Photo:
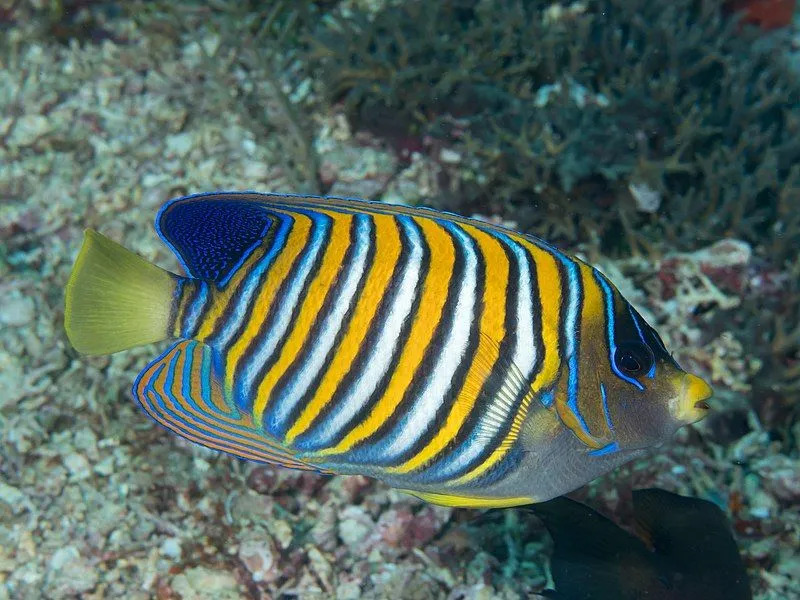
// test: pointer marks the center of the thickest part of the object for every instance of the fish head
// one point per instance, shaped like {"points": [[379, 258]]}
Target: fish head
{"points": [[648, 395]]}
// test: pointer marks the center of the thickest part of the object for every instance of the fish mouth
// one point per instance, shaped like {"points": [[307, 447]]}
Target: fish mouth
{"points": [[691, 405]]}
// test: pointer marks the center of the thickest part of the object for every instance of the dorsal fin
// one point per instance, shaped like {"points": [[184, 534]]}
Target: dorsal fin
{"points": [[181, 390], [212, 234]]}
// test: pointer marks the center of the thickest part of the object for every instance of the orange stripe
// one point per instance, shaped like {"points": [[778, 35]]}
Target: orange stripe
{"points": [[296, 242], [492, 328], [387, 253], [434, 295], [338, 243]]}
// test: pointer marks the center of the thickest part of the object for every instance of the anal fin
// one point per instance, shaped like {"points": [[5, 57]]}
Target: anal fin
{"points": [[181, 391]]}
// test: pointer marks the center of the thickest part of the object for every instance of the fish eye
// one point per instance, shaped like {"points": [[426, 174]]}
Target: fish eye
{"points": [[633, 358]]}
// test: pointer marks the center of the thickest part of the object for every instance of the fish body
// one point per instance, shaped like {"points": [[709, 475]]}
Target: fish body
{"points": [[684, 550], [463, 362]]}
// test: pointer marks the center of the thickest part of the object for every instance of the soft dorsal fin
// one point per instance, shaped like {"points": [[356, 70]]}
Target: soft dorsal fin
{"points": [[212, 234]]}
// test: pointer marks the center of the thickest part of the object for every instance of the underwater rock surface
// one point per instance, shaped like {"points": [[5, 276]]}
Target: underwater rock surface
{"points": [[105, 112]]}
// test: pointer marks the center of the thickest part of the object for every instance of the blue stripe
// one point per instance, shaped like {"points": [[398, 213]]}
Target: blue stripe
{"points": [[652, 372], [195, 309], [268, 344], [571, 326], [607, 449], [610, 321], [605, 407], [252, 282], [280, 408], [323, 434], [377, 453]]}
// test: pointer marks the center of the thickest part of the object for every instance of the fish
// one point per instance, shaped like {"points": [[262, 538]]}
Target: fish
{"points": [[683, 550], [459, 361]]}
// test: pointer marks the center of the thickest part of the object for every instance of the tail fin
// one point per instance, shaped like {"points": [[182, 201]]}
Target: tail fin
{"points": [[116, 300]]}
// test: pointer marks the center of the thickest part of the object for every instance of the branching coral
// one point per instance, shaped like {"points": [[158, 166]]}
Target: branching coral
{"points": [[561, 108]]}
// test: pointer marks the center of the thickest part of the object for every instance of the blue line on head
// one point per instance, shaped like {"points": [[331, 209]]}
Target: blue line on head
{"points": [[610, 321], [605, 407]]}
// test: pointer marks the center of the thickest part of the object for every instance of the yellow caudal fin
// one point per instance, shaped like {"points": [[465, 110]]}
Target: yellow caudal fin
{"points": [[115, 299]]}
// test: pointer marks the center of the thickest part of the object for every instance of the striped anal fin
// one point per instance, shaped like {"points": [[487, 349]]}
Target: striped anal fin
{"points": [[181, 390]]}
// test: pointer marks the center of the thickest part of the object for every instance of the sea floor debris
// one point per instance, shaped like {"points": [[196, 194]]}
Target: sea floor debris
{"points": [[98, 502]]}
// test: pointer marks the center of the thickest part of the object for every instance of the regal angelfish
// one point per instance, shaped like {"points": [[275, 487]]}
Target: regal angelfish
{"points": [[462, 362]]}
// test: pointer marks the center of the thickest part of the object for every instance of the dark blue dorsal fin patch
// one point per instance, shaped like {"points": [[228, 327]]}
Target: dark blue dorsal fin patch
{"points": [[213, 234]]}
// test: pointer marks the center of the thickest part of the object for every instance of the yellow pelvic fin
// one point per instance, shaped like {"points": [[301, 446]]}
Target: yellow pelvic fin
{"points": [[115, 299], [469, 501]]}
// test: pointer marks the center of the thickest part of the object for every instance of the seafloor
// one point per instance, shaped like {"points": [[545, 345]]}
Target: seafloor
{"points": [[98, 502]]}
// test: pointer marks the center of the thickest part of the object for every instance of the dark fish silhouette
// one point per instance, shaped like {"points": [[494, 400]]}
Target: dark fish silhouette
{"points": [[685, 551]]}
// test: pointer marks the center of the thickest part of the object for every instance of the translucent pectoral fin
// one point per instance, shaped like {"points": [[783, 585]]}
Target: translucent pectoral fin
{"points": [[181, 390]]}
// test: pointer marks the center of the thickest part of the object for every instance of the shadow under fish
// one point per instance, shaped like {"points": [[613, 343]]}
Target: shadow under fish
{"points": [[683, 550]]}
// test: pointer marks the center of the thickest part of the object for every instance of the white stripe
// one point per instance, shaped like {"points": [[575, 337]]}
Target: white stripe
{"points": [[524, 359], [268, 342], [322, 345], [419, 416], [381, 354], [526, 352], [251, 284], [196, 309]]}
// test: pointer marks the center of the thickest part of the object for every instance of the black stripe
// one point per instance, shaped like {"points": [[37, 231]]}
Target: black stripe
{"points": [[294, 414], [459, 377], [373, 333], [433, 351], [265, 325], [222, 320]]}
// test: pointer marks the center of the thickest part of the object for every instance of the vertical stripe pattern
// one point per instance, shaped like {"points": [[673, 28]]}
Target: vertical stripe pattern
{"points": [[393, 341]]}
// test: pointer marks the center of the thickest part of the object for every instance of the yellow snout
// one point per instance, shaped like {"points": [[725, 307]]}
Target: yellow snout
{"points": [[691, 404]]}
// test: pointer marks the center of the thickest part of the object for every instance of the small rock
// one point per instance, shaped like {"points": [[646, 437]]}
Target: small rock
{"points": [[762, 505], [62, 556], [647, 199], [355, 525], [179, 144], [201, 583], [171, 548], [70, 574], [77, 465], [781, 476], [282, 532], [16, 310], [28, 129], [12, 496], [105, 467], [348, 590], [259, 558], [449, 157]]}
